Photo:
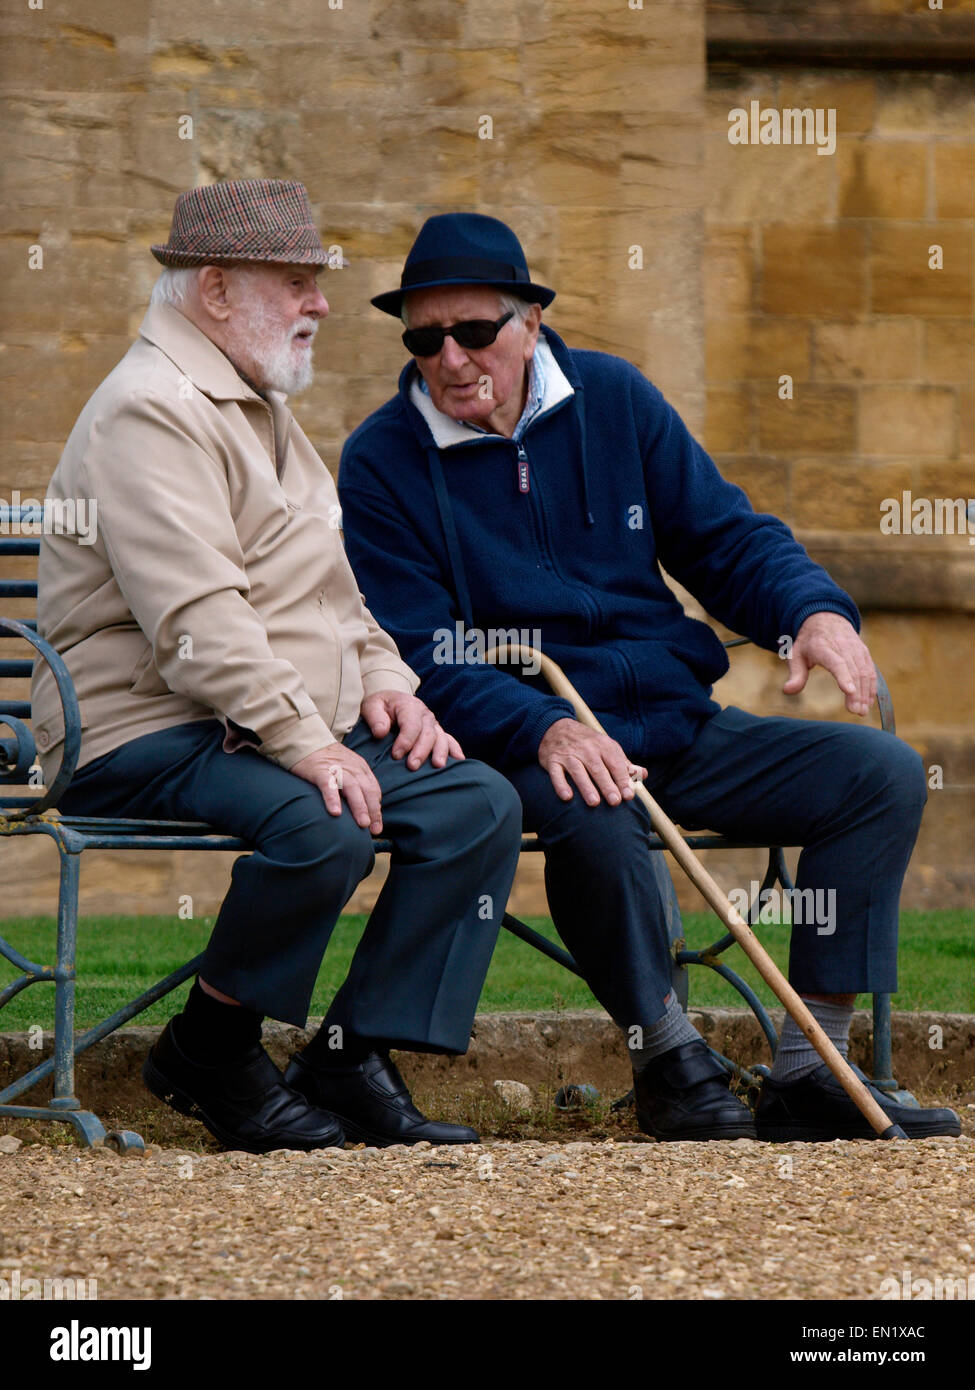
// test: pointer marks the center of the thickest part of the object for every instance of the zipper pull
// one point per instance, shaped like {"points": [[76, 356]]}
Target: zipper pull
{"points": [[524, 484]]}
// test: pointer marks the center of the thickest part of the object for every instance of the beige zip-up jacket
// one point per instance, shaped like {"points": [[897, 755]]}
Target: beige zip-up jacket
{"points": [[217, 581]]}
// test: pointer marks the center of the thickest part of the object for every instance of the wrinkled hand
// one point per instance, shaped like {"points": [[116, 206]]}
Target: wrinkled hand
{"points": [[830, 641], [340, 773], [419, 733], [594, 761]]}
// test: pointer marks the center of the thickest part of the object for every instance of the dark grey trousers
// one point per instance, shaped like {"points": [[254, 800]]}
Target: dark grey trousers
{"points": [[418, 971]]}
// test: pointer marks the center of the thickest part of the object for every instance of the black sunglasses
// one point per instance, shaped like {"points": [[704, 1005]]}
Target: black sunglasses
{"points": [[473, 333]]}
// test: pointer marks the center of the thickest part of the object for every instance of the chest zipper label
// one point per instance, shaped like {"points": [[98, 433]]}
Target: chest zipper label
{"points": [[523, 478]]}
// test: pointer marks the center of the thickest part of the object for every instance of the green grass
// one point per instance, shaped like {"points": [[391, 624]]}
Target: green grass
{"points": [[118, 957]]}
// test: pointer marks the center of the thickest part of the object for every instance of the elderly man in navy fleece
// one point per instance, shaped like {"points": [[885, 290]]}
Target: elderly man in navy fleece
{"points": [[513, 482]]}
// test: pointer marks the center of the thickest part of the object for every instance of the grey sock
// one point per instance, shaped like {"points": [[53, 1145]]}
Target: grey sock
{"points": [[670, 1031], [796, 1057]]}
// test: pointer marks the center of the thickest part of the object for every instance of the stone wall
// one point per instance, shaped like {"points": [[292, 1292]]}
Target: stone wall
{"points": [[716, 268], [820, 268]]}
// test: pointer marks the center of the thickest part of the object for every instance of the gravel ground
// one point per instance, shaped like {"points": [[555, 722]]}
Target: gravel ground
{"points": [[611, 1218]]}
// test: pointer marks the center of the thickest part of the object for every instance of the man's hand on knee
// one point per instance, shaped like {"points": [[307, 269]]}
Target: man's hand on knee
{"points": [[830, 641], [340, 774], [419, 733], [594, 761]]}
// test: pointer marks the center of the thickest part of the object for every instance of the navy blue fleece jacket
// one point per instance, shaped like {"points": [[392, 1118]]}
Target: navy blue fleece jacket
{"points": [[565, 534]]}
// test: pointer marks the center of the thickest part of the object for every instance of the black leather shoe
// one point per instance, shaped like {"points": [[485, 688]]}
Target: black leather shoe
{"points": [[816, 1109], [683, 1094], [371, 1103], [246, 1105]]}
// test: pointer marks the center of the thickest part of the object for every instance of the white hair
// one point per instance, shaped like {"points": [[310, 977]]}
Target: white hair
{"points": [[173, 285], [510, 303]]}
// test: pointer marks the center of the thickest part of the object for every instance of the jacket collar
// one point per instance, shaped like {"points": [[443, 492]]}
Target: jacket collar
{"points": [[210, 370], [447, 432]]}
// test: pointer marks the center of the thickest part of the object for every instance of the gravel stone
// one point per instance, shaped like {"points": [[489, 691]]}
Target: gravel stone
{"points": [[584, 1220]]}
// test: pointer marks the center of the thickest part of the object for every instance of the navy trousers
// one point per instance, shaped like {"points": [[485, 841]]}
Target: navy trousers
{"points": [[418, 971], [851, 796]]}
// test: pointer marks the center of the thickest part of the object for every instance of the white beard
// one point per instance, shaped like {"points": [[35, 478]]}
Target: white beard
{"points": [[279, 365]]}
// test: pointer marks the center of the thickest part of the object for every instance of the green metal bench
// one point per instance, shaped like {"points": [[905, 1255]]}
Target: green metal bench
{"points": [[32, 810]]}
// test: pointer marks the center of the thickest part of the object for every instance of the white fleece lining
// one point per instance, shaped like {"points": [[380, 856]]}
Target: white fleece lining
{"points": [[447, 432]]}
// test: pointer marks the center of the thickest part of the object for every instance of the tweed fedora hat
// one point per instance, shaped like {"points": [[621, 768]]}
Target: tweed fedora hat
{"points": [[243, 220], [465, 248]]}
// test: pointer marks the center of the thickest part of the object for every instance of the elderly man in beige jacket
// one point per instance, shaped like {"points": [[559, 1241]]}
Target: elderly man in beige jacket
{"points": [[228, 671]]}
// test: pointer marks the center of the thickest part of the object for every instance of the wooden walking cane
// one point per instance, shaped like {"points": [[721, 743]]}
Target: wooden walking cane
{"points": [[716, 899]]}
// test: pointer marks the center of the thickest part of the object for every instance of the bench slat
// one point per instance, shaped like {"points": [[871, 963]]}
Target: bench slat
{"points": [[20, 546]]}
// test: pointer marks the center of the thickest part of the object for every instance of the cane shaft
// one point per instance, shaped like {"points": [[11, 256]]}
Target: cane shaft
{"points": [[718, 901]]}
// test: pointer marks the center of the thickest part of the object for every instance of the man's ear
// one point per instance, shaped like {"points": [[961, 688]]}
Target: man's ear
{"points": [[533, 322], [212, 286]]}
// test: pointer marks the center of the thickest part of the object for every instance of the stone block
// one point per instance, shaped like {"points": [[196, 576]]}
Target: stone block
{"points": [[618, 76], [27, 467], [47, 299], [949, 350], [877, 350], [404, 20], [925, 659], [899, 420], [249, 25], [501, 22], [766, 482], [898, 573], [673, 27], [902, 281], [66, 57], [852, 96], [882, 179], [727, 420], [45, 382], [156, 144], [946, 478], [728, 271], [954, 180], [561, 158], [966, 420], [819, 419], [671, 359], [937, 103], [818, 271], [757, 349], [829, 495], [660, 171], [43, 174], [767, 183]]}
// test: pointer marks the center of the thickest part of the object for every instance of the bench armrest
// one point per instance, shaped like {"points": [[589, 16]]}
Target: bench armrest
{"points": [[70, 748]]}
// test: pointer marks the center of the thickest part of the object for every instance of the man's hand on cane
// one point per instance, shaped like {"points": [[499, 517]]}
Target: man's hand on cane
{"points": [[595, 762]]}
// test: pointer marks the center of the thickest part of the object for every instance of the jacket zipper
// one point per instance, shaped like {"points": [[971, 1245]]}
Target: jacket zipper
{"points": [[541, 535]]}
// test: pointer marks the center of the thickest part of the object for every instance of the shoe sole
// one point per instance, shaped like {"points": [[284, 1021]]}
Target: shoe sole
{"points": [[356, 1135], [184, 1104], [779, 1134], [744, 1131]]}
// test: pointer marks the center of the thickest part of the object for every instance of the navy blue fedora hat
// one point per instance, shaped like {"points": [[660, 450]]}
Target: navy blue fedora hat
{"points": [[465, 248]]}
